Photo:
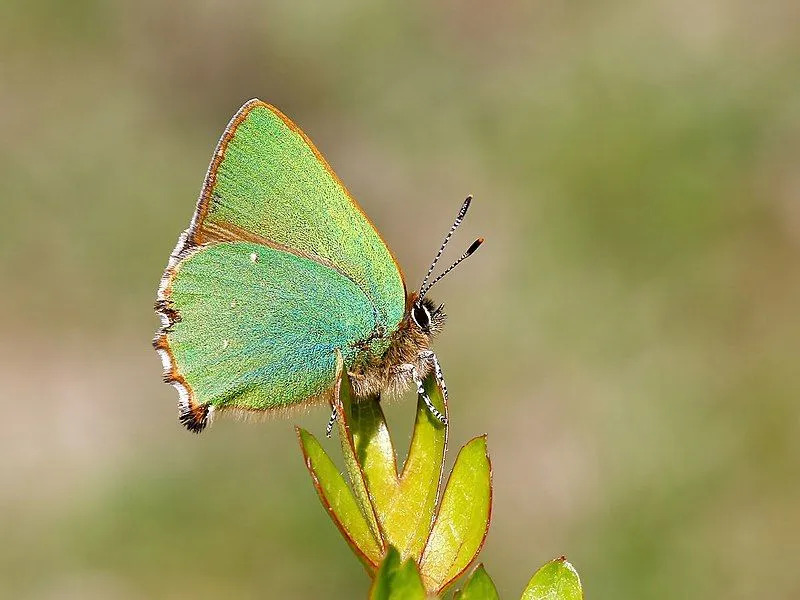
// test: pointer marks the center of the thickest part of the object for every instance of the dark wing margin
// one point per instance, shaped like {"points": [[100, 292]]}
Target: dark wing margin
{"points": [[195, 417]]}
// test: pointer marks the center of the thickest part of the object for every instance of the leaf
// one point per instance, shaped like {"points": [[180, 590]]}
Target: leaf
{"points": [[343, 402], [339, 501], [463, 519], [557, 580], [404, 506], [398, 510], [376, 455], [422, 474], [479, 586], [397, 580]]}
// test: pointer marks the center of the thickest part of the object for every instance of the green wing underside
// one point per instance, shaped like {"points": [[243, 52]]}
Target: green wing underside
{"points": [[259, 327], [273, 183]]}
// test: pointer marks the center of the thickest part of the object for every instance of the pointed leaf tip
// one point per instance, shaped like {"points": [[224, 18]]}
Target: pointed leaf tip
{"points": [[396, 580], [479, 586], [557, 580]]}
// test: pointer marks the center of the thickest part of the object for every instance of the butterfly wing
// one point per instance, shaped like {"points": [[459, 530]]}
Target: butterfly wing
{"points": [[268, 184], [256, 328]]}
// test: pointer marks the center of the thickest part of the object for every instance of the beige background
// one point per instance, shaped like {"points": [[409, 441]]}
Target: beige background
{"points": [[628, 336]]}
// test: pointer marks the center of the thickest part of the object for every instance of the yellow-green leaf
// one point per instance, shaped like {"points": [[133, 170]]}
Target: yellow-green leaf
{"points": [[557, 580], [479, 586], [339, 502], [409, 518], [375, 453], [397, 580], [403, 506], [343, 402], [463, 519]]}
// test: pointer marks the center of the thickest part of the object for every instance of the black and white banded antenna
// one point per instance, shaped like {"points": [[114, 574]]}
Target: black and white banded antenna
{"points": [[425, 287]]}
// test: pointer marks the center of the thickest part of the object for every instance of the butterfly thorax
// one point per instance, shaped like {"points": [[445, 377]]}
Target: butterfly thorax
{"points": [[373, 374]]}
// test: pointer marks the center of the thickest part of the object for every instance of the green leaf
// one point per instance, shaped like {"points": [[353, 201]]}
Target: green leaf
{"points": [[397, 580], [557, 580], [339, 502], [479, 586], [422, 475], [376, 455], [463, 519], [343, 402], [404, 505], [398, 510]]}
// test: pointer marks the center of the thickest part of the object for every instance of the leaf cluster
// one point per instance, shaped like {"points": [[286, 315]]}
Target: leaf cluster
{"points": [[414, 540]]}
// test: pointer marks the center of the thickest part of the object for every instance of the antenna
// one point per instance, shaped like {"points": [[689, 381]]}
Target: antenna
{"points": [[459, 217], [474, 246], [425, 287]]}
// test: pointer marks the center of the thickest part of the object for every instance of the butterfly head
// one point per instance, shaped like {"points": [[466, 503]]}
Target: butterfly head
{"points": [[428, 317]]}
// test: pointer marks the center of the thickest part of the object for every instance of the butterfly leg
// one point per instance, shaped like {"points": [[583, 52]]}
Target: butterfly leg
{"points": [[412, 370], [437, 369], [331, 421]]}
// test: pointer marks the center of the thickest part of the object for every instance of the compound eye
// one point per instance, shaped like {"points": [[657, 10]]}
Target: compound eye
{"points": [[421, 317]]}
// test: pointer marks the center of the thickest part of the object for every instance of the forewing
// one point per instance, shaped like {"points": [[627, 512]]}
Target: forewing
{"points": [[256, 328], [267, 183]]}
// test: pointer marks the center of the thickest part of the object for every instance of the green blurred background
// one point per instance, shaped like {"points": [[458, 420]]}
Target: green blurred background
{"points": [[628, 336]]}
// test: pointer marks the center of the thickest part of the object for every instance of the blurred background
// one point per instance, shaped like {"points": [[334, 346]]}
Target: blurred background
{"points": [[628, 336]]}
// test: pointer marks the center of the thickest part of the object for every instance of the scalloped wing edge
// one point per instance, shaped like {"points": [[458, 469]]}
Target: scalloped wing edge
{"points": [[195, 417]]}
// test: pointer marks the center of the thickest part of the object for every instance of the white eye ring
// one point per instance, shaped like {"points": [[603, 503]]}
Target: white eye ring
{"points": [[427, 314]]}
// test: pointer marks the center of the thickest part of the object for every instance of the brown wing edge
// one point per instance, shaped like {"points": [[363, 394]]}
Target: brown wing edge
{"points": [[196, 234], [291, 125], [191, 414], [195, 417]]}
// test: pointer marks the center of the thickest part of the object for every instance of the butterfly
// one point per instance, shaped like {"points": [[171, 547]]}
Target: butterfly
{"points": [[278, 273]]}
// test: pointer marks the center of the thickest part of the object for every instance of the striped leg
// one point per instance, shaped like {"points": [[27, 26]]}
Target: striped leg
{"points": [[423, 394], [331, 421], [437, 369]]}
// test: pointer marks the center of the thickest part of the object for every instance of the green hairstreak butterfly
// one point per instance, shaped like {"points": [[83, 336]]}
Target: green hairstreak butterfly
{"points": [[278, 272]]}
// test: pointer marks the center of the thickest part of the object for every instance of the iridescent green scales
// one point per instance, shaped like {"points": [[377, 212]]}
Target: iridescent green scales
{"points": [[260, 327], [273, 183], [279, 269]]}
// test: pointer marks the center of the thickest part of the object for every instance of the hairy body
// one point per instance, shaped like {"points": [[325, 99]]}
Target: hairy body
{"points": [[390, 373]]}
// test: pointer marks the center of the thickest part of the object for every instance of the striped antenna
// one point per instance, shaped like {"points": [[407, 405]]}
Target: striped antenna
{"points": [[474, 246], [459, 217]]}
